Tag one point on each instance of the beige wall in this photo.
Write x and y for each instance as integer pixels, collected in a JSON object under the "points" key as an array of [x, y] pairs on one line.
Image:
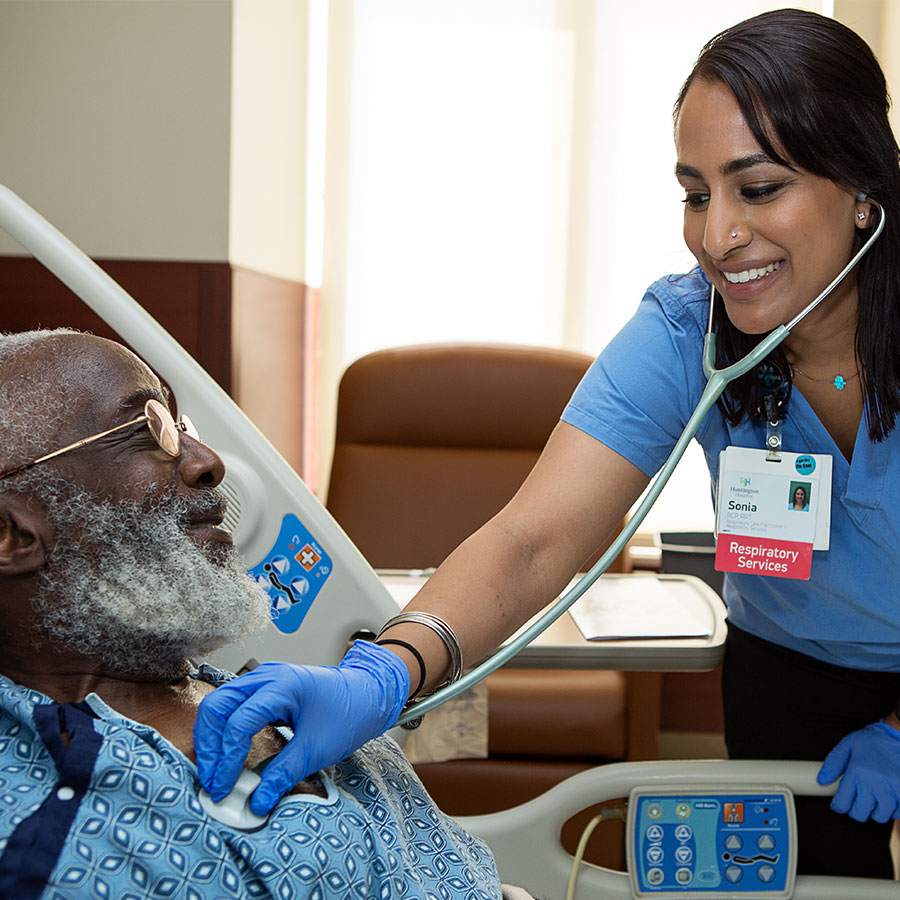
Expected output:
{"points": [[268, 137], [878, 22], [159, 129], [865, 17], [888, 51], [116, 122]]}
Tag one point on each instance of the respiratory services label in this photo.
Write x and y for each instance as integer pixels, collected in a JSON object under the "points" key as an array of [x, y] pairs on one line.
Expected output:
{"points": [[770, 515]]}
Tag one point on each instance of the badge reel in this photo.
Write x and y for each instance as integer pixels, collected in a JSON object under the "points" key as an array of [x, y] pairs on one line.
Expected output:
{"points": [[776, 391]]}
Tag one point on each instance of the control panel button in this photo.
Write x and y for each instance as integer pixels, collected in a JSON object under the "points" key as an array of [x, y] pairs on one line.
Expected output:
{"points": [[654, 854], [733, 813], [765, 873], [734, 842], [654, 833], [655, 876], [683, 854], [683, 810], [765, 842], [683, 833], [734, 874], [683, 876], [654, 811]]}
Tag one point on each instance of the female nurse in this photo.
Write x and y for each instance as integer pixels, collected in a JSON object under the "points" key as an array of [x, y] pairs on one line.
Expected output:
{"points": [[781, 138]]}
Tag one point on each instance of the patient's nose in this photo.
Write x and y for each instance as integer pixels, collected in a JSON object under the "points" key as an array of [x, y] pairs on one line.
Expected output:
{"points": [[200, 466]]}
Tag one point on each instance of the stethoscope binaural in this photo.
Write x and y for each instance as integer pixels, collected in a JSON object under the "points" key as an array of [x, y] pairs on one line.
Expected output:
{"points": [[717, 381]]}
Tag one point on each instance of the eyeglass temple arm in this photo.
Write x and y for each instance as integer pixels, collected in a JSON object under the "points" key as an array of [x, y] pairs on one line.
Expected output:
{"points": [[78, 444]]}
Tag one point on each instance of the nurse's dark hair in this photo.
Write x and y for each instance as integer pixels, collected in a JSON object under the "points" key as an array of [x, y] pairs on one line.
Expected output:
{"points": [[814, 87]]}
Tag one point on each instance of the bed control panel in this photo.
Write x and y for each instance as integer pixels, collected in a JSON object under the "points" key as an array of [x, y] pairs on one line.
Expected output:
{"points": [[712, 843]]}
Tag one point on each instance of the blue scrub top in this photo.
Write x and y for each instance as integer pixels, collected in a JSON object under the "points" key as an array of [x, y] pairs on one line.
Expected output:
{"points": [[637, 397]]}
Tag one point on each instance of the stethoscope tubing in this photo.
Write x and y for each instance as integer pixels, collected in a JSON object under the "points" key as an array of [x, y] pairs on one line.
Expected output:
{"points": [[717, 381]]}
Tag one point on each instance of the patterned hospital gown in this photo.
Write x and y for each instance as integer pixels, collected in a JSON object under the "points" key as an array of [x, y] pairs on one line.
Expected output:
{"points": [[114, 815]]}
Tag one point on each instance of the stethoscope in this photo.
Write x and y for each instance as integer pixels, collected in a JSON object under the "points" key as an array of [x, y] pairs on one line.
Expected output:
{"points": [[717, 381]]}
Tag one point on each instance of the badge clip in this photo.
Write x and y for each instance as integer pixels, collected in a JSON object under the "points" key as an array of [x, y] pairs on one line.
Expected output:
{"points": [[774, 423]]}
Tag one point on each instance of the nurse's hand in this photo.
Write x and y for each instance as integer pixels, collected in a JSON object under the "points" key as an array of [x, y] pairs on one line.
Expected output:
{"points": [[869, 760], [332, 710]]}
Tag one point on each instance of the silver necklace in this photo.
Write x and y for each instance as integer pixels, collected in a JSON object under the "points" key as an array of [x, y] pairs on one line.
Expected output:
{"points": [[838, 382]]}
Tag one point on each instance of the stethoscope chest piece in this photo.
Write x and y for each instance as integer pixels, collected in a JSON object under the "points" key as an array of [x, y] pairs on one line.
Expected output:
{"points": [[234, 809]]}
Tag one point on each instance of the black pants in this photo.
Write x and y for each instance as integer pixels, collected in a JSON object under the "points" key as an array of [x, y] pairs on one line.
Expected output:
{"points": [[780, 704]]}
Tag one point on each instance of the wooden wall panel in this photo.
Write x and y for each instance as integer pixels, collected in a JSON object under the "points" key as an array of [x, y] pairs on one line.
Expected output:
{"points": [[270, 353], [191, 300]]}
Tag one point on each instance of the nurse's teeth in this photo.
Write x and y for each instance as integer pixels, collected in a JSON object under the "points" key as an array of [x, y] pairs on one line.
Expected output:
{"points": [[750, 274]]}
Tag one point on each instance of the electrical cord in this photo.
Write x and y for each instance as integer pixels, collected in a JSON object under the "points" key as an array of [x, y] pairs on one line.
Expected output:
{"points": [[606, 814]]}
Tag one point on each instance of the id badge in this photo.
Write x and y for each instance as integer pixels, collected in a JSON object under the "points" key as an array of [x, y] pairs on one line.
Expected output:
{"points": [[771, 515]]}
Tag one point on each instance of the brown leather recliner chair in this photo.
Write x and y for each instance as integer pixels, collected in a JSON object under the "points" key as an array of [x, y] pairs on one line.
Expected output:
{"points": [[431, 441]]}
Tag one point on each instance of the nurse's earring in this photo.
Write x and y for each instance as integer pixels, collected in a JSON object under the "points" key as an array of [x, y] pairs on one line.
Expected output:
{"points": [[861, 214]]}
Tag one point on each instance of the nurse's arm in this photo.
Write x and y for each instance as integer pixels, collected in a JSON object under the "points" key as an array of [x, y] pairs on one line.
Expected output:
{"points": [[571, 503]]}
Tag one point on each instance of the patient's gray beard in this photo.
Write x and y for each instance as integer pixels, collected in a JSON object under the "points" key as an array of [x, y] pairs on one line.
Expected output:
{"points": [[127, 587]]}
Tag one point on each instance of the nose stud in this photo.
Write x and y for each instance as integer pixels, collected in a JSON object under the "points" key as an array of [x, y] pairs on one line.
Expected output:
{"points": [[733, 235]]}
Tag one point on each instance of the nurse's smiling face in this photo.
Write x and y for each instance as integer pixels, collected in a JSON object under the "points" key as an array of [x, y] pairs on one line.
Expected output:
{"points": [[770, 238]]}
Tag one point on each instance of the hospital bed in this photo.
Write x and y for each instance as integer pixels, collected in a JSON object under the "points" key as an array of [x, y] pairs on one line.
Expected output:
{"points": [[514, 835], [318, 579]]}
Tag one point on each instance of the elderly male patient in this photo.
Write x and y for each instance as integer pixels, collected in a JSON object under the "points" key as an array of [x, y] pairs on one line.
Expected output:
{"points": [[114, 572]]}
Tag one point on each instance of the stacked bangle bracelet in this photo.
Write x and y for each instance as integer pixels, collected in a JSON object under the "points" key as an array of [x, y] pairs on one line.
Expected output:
{"points": [[447, 636]]}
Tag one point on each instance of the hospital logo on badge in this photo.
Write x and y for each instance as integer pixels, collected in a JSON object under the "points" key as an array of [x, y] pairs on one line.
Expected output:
{"points": [[805, 465]]}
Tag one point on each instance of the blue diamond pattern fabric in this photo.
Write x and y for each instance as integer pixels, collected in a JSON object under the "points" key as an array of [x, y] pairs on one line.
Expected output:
{"points": [[139, 831]]}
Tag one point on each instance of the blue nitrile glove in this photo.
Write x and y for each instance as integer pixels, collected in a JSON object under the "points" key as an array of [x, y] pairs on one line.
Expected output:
{"points": [[869, 760], [333, 710]]}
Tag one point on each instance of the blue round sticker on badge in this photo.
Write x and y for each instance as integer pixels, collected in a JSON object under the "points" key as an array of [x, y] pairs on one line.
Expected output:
{"points": [[805, 465]]}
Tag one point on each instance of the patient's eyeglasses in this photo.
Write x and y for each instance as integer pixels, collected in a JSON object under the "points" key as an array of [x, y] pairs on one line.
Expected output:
{"points": [[163, 427]]}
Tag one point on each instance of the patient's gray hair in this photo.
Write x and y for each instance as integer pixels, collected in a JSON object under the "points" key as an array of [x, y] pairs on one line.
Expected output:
{"points": [[32, 399]]}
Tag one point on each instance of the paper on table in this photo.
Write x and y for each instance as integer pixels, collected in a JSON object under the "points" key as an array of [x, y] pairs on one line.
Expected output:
{"points": [[639, 608], [402, 587]]}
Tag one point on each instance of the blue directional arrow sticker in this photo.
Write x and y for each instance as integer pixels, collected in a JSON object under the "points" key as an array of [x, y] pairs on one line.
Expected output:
{"points": [[293, 572]]}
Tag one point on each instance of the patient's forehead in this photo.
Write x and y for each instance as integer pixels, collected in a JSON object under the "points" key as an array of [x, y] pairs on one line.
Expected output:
{"points": [[92, 378]]}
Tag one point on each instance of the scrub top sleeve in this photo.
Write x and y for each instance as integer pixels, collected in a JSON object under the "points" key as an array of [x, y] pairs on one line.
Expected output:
{"points": [[640, 392]]}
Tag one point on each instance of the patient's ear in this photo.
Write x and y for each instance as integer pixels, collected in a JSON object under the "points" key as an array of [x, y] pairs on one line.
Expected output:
{"points": [[24, 535]]}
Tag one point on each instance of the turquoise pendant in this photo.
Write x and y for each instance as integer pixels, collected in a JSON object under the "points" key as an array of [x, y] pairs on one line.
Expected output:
{"points": [[839, 382]]}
